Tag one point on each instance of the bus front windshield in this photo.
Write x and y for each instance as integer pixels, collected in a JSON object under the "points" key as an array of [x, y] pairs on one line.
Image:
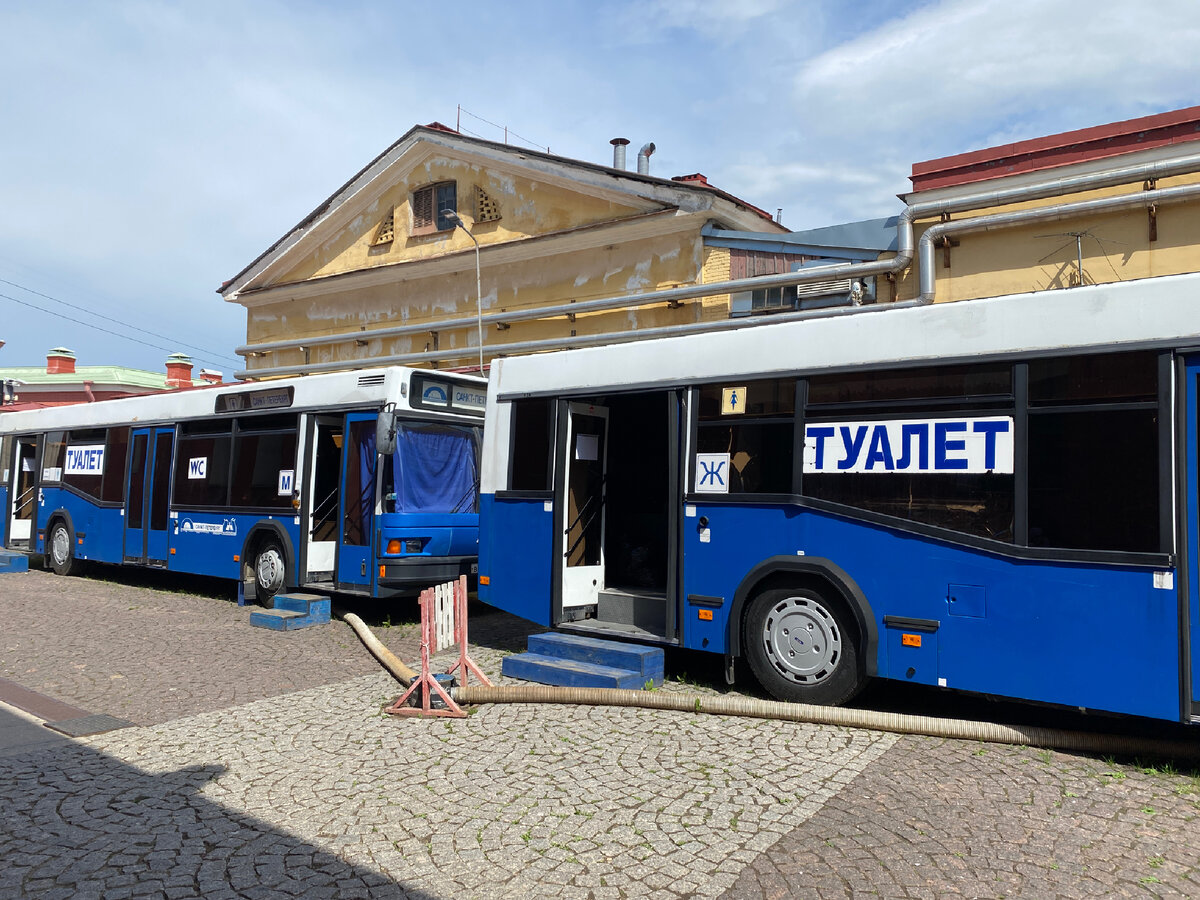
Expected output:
{"points": [[435, 469]]}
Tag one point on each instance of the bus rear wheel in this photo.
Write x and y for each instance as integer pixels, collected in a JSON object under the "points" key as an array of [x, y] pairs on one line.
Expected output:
{"points": [[62, 550], [801, 647], [270, 572]]}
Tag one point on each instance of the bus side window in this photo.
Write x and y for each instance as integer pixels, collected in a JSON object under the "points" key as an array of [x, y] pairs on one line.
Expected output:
{"points": [[532, 443], [115, 458]]}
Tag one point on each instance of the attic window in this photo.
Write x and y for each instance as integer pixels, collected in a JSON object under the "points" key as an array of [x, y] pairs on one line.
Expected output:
{"points": [[429, 205], [386, 232], [486, 209]]}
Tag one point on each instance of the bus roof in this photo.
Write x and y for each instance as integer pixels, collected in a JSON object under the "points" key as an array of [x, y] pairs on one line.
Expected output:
{"points": [[1151, 312], [363, 387]]}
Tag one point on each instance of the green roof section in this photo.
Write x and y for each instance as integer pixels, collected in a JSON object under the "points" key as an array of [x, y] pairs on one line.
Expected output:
{"points": [[108, 375]]}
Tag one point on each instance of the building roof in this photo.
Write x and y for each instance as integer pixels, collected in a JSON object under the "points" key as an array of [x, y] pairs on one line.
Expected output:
{"points": [[848, 241], [1145, 133], [438, 133], [99, 375]]}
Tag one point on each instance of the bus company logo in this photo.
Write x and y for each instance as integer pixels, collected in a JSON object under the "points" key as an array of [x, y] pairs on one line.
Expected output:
{"points": [[964, 446], [712, 473], [435, 394], [226, 527]]}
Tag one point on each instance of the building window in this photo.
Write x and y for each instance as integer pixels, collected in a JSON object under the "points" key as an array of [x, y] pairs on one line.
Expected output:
{"points": [[430, 205], [773, 299]]}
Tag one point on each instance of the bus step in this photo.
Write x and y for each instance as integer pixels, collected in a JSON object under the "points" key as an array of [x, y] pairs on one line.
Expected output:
{"points": [[646, 661], [568, 672], [293, 611], [574, 661], [645, 611], [11, 561]]}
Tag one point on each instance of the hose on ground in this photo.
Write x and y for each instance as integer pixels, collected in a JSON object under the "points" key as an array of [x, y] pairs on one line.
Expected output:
{"points": [[959, 729], [386, 657], [753, 707]]}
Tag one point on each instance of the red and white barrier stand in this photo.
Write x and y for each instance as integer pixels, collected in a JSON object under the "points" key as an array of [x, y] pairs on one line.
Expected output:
{"points": [[443, 624]]}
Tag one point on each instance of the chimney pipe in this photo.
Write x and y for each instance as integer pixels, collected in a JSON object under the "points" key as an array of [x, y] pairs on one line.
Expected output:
{"points": [[60, 361], [618, 145], [644, 158], [179, 370]]}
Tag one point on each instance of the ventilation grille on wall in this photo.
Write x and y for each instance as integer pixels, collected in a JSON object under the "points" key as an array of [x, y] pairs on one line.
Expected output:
{"points": [[486, 209], [387, 229]]}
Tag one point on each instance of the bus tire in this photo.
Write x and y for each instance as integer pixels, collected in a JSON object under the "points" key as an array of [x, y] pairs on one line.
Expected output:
{"points": [[270, 571], [61, 550], [802, 647]]}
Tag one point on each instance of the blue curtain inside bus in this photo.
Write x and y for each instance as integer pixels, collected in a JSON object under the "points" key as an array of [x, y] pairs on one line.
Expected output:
{"points": [[366, 480], [434, 469]]}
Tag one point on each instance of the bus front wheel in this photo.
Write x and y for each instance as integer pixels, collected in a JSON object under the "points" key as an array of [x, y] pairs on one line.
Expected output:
{"points": [[62, 550], [801, 647], [270, 572]]}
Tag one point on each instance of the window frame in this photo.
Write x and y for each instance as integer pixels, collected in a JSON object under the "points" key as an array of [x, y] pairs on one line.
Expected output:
{"points": [[426, 205], [1014, 403]]}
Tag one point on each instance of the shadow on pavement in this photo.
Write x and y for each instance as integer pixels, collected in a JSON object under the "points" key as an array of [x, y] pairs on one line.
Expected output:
{"points": [[80, 823]]}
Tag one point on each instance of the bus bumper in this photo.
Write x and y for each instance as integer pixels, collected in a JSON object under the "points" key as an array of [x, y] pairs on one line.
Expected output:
{"points": [[399, 576]]}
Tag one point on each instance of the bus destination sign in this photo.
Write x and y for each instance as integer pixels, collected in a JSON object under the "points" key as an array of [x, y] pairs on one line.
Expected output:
{"points": [[254, 401]]}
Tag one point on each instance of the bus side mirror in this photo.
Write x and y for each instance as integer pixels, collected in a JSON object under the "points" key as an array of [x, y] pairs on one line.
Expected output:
{"points": [[385, 432]]}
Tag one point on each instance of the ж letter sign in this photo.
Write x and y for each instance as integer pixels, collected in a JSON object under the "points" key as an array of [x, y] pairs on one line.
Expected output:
{"points": [[967, 446]]}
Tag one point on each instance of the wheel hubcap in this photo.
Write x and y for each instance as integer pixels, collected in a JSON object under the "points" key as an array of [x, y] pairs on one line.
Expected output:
{"points": [[802, 640], [268, 570], [60, 545]]}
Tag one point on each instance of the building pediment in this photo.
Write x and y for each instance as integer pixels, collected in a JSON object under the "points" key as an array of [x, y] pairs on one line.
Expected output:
{"points": [[392, 212]]}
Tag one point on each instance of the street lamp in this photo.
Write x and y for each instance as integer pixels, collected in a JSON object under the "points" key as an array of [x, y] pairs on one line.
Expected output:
{"points": [[451, 216]]}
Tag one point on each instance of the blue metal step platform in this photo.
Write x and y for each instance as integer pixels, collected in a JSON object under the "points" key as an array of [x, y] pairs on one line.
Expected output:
{"points": [[574, 661], [293, 611], [13, 561]]}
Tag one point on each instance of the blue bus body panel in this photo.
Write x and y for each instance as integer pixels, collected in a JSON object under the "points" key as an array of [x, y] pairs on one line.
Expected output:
{"points": [[210, 543], [1097, 636], [101, 528], [1102, 637], [4, 511], [515, 556], [441, 534]]}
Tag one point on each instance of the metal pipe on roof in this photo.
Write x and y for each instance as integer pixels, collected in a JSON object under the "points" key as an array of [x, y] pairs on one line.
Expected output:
{"points": [[618, 145], [928, 272], [561, 343], [644, 158]]}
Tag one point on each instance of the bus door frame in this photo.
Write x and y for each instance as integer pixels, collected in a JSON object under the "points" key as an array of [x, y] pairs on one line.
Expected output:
{"points": [[11, 538], [578, 586], [319, 558], [355, 564], [144, 543], [1189, 567]]}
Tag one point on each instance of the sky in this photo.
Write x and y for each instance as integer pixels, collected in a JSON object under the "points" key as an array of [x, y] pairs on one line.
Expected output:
{"points": [[151, 150]]}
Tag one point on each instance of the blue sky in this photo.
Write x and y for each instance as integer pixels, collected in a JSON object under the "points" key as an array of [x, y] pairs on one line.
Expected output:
{"points": [[153, 149]]}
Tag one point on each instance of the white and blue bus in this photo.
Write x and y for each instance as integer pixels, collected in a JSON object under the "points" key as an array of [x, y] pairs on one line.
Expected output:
{"points": [[361, 482], [996, 495]]}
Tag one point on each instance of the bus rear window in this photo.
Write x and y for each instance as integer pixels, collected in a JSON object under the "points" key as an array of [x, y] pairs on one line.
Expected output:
{"points": [[532, 442]]}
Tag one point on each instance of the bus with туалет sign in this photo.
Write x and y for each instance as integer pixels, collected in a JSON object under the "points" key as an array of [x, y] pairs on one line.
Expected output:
{"points": [[997, 496]]}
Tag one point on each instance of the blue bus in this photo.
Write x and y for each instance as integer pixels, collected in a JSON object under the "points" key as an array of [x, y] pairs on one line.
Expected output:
{"points": [[362, 482], [997, 496]]}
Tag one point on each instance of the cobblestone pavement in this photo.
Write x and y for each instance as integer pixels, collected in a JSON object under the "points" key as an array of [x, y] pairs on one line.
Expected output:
{"points": [[271, 771]]}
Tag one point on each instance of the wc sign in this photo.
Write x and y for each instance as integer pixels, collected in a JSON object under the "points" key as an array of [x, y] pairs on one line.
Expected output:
{"points": [[712, 473]]}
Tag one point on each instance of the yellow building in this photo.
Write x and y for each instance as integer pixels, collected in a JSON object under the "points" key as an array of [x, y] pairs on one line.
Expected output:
{"points": [[382, 271]]}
